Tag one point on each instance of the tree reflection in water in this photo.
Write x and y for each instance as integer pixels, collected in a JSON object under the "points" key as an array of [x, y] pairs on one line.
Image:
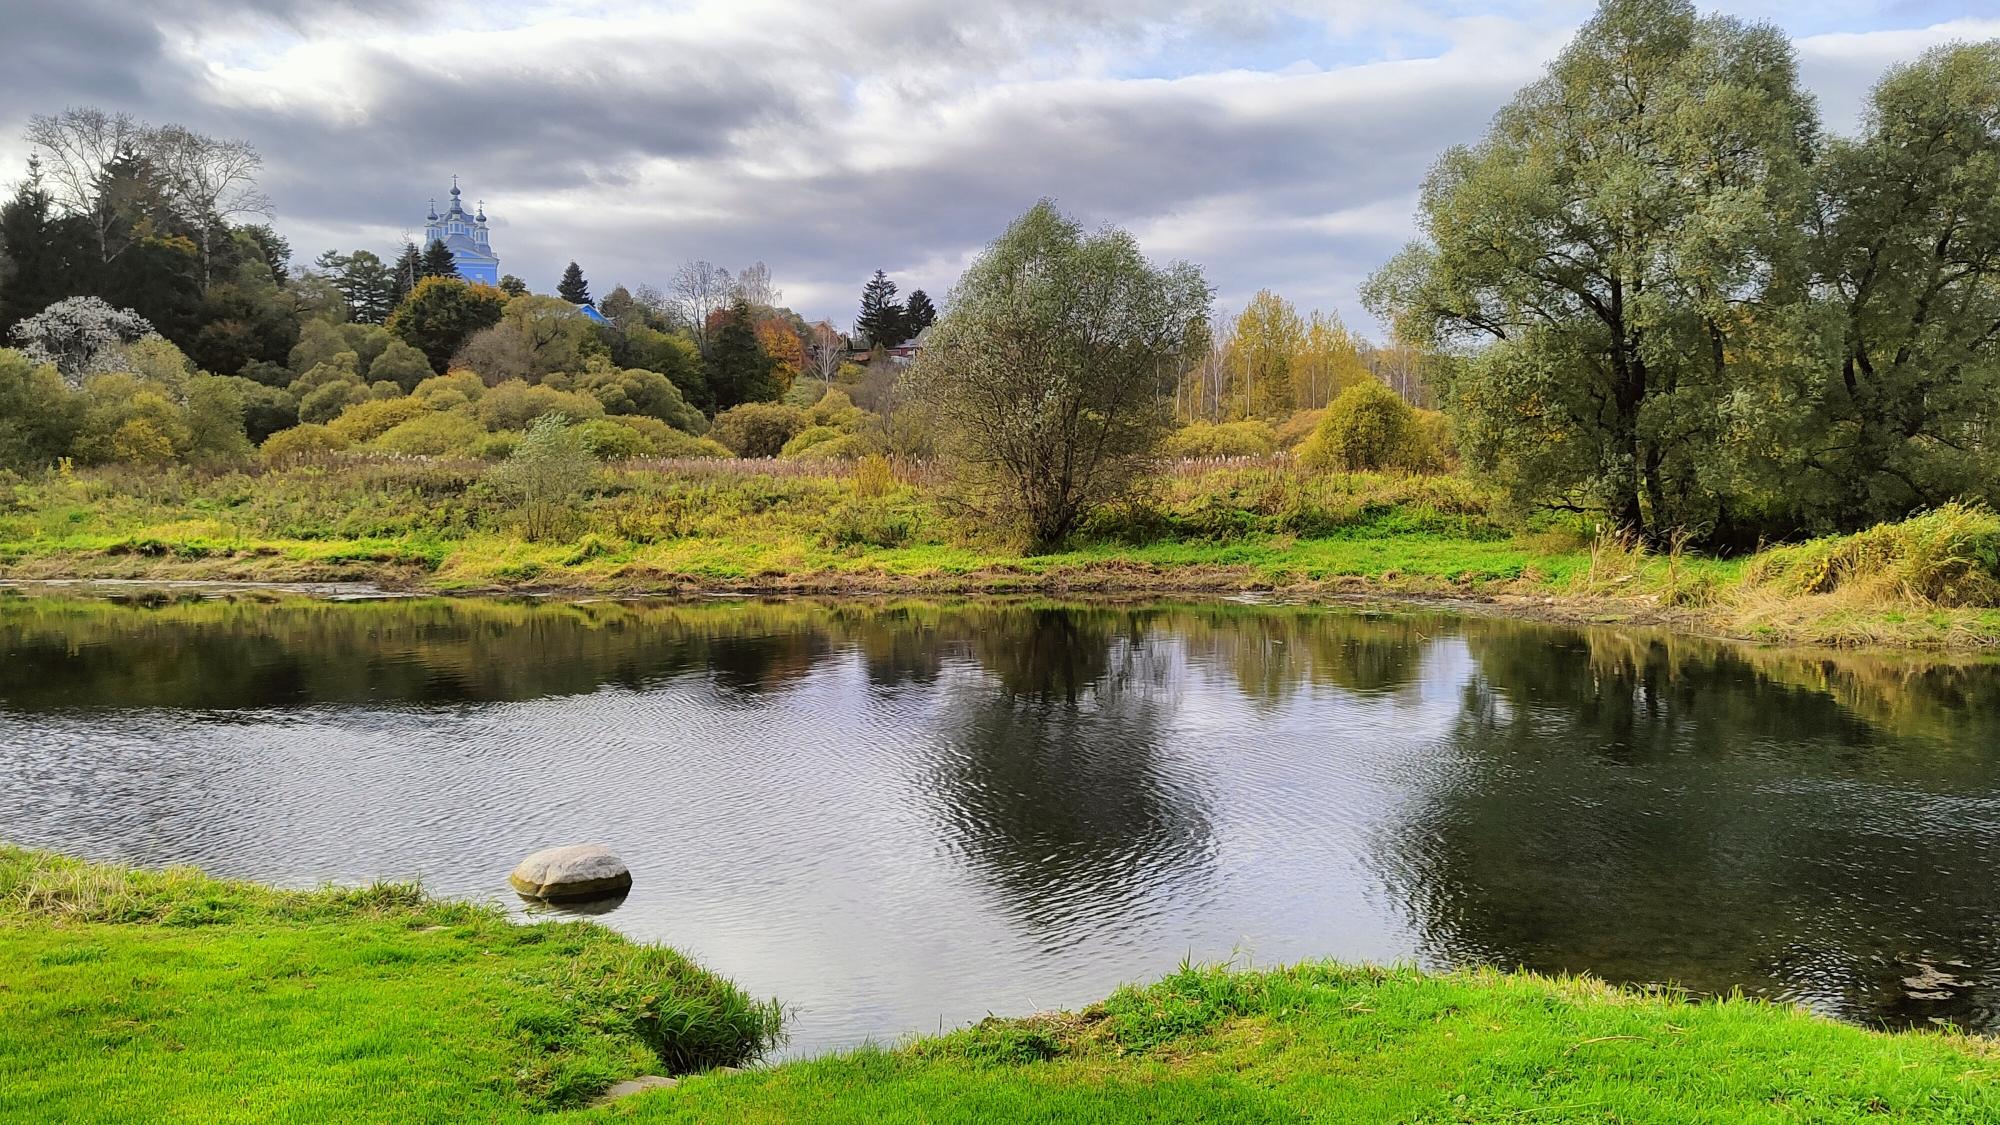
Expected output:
{"points": [[1652, 809], [1054, 779]]}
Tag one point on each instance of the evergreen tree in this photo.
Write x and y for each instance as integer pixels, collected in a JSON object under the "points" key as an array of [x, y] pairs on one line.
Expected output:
{"points": [[512, 286], [918, 312], [366, 282], [149, 262], [438, 262], [739, 370], [573, 288], [41, 252], [408, 271], [881, 319]]}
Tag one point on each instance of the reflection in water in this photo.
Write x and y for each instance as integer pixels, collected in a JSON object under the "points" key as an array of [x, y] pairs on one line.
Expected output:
{"points": [[899, 815], [1659, 811], [1054, 781]]}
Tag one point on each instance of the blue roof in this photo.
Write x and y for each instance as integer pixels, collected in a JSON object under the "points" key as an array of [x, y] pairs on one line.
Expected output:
{"points": [[593, 314]]}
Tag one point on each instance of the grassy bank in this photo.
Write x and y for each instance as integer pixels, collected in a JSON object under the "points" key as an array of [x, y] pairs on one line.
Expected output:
{"points": [[833, 527], [170, 996], [1342, 1044]]}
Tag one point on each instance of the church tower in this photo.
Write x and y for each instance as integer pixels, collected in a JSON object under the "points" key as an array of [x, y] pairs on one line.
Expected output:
{"points": [[465, 236]]}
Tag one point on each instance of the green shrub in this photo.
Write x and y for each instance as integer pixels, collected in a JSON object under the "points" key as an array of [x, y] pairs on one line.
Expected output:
{"points": [[455, 388], [366, 421], [609, 441], [512, 405], [325, 402], [402, 365], [434, 435], [802, 443], [1248, 438], [300, 444], [494, 447], [646, 437], [1368, 428], [636, 391], [39, 416], [758, 429]]}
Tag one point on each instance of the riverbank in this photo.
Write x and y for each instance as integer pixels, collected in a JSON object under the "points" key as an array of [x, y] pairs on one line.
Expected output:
{"points": [[171, 995], [1324, 1042], [1203, 528], [167, 995]]}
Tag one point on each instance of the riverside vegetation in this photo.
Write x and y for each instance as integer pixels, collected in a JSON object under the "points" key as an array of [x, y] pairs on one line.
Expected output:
{"points": [[377, 1004], [1663, 317], [1215, 525]]}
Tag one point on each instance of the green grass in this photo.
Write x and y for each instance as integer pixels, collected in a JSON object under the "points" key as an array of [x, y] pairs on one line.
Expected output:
{"points": [[170, 996], [1340, 1044], [787, 527]]}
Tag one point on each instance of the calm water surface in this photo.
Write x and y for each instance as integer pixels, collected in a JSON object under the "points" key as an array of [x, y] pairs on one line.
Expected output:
{"points": [[901, 817]]}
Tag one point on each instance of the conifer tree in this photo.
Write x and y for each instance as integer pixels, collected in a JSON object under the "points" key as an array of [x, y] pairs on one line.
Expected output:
{"points": [[918, 312], [573, 288], [409, 270], [512, 286], [438, 262], [739, 369], [40, 252], [881, 317]]}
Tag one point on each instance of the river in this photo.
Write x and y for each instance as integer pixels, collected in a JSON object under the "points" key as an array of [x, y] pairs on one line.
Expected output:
{"points": [[902, 816]]}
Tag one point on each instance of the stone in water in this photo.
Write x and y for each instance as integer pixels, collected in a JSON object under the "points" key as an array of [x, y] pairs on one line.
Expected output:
{"points": [[577, 871]]}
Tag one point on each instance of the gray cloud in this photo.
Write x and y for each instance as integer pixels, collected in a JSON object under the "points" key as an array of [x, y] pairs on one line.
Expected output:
{"points": [[894, 133]]}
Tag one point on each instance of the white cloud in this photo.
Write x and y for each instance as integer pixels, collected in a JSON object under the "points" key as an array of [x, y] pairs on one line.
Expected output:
{"points": [[1279, 144]]}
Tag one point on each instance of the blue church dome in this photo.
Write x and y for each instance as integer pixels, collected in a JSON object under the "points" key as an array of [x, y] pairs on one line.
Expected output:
{"points": [[466, 237]]}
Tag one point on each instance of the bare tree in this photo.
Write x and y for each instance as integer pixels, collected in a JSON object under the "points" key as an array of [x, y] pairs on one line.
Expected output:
{"points": [[205, 179], [209, 179], [656, 303], [700, 289], [829, 348], [76, 147], [754, 286]]}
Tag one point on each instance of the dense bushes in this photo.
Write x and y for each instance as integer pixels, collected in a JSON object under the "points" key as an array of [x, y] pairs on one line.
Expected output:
{"points": [[1369, 427], [758, 429], [1248, 438]]}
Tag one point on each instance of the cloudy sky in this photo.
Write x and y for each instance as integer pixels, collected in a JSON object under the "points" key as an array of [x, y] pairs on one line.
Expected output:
{"points": [[1278, 144]]}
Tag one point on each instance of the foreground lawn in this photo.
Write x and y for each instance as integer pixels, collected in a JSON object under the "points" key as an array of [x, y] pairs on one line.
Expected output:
{"points": [[169, 996], [1337, 1044]]}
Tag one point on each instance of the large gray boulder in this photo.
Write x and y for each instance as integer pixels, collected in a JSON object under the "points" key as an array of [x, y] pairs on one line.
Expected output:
{"points": [[576, 871]]}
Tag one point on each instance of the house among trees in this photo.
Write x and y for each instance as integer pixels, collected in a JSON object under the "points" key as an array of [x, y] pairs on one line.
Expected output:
{"points": [[906, 353], [465, 236]]}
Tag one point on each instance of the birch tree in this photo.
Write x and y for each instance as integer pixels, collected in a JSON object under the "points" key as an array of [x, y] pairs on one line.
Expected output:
{"points": [[210, 181]]}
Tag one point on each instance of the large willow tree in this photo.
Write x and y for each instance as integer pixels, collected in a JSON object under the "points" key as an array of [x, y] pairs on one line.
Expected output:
{"points": [[1625, 243], [1679, 306], [1050, 375], [1901, 404]]}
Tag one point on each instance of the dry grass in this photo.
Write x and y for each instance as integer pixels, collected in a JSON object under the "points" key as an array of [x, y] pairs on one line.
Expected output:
{"points": [[1949, 557]]}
